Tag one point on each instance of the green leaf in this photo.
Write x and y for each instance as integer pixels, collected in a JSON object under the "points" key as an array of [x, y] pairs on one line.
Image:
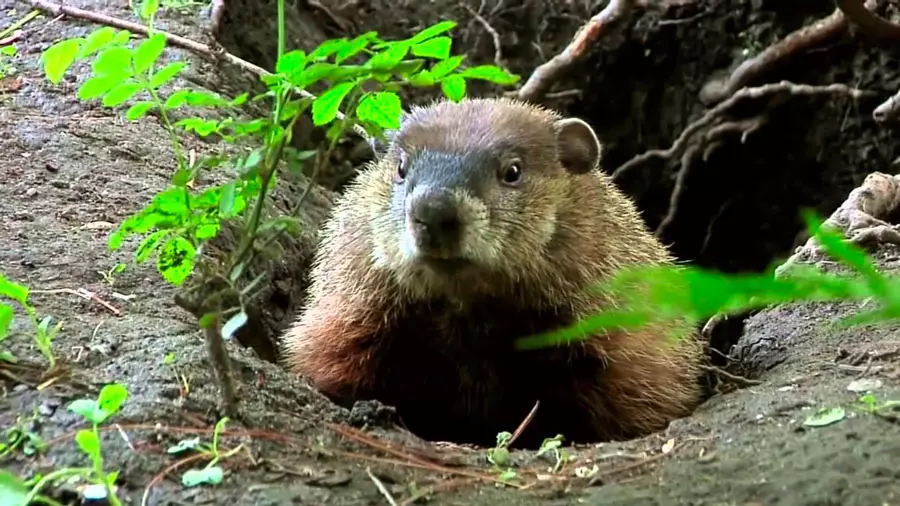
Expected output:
{"points": [[454, 87], [433, 30], [149, 245], [113, 61], [212, 475], [328, 48], [12, 489], [176, 99], [825, 416], [389, 58], [499, 456], [122, 37], [423, 79], [165, 74], [226, 200], [291, 63], [97, 40], [149, 51], [98, 85], [149, 8], [207, 320], [121, 93], [58, 58], [6, 318], [111, 398], [176, 260], [382, 108], [138, 110], [85, 407], [88, 442], [8, 357], [233, 324], [313, 74], [354, 47], [184, 445], [408, 67], [490, 73], [437, 48], [13, 290], [442, 68], [326, 107]]}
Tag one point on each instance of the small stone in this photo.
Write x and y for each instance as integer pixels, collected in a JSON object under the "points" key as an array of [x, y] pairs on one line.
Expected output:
{"points": [[864, 385], [31, 193], [59, 183]]}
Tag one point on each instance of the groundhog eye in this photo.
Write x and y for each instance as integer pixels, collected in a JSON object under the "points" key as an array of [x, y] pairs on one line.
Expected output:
{"points": [[400, 175], [511, 174]]}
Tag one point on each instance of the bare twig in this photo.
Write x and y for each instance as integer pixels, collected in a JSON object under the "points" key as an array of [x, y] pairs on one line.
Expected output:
{"points": [[680, 144], [381, 488], [498, 52], [522, 426], [809, 36], [709, 144], [740, 380], [871, 24], [176, 40], [84, 294], [614, 16]]}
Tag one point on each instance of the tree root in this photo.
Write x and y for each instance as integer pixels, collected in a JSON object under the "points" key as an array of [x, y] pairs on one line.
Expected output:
{"points": [[705, 134], [863, 218], [805, 38], [870, 24], [615, 16]]}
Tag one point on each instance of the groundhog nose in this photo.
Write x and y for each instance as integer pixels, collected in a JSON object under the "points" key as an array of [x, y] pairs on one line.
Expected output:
{"points": [[436, 221]]}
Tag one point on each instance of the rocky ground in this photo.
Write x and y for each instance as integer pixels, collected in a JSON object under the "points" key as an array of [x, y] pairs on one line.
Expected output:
{"points": [[70, 171]]}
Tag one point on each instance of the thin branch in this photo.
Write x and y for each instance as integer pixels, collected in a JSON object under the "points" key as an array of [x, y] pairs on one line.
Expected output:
{"points": [[613, 17], [680, 144], [175, 40], [498, 52]]}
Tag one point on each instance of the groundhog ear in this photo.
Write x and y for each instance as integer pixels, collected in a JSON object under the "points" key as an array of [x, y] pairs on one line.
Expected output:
{"points": [[380, 144], [579, 148]]}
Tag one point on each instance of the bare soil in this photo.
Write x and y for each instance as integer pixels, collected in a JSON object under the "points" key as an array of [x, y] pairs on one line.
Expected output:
{"points": [[71, 171]]}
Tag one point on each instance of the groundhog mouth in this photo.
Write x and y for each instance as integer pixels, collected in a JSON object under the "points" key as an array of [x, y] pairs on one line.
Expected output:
{"points": [[446, 265]]}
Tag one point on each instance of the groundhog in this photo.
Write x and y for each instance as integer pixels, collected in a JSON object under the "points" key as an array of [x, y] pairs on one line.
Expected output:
{"points": [[482, 222]]}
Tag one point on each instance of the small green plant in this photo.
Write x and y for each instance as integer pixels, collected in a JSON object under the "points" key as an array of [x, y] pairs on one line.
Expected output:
{"points": [[682, 297], [212, 473], [361, 75], [870, 404], [553, 446], [21, 437], [498, 456], [110, 275], [44, 334], [7, 54], [184, 386], [17, 492]]}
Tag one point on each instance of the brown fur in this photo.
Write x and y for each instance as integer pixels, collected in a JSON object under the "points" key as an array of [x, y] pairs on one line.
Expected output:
{"points": [[440, 348]]}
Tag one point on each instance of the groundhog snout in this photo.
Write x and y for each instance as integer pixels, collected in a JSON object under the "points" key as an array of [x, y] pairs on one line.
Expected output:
{"points": [[435, 222]]}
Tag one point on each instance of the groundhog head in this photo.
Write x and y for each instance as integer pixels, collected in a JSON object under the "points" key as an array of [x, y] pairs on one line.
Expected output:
{"points": [[470, 190]]}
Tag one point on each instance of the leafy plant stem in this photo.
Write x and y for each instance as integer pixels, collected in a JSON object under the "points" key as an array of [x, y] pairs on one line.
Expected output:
{"points": [[52, 476]]}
